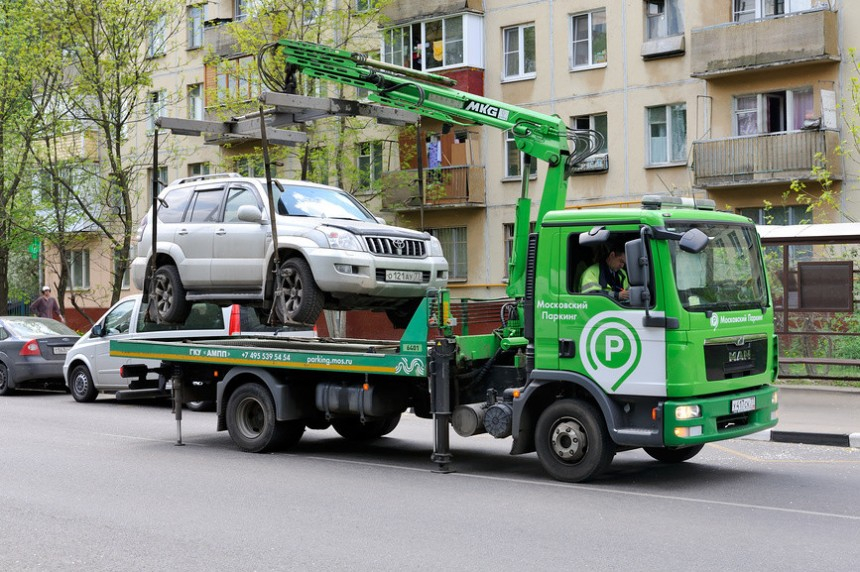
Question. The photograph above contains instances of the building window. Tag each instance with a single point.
(519, 52)
(155, 108)
(162, 182)
(253, 167)
(667, 134)
(514, 159)
(369, 163)
(772, 112)
(237, 79)
(599, 161)
(195, 101)
(663, 19)
(454, 247)
(795, 214)
(156, 41)
(79, 269)
(453, 41)
(364, 5)
(588, 39)
(749, 10)
(196, 16)
(245, 8)
(198, 169)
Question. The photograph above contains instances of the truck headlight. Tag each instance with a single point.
(687, 412)
(340, 239)
(435, 247)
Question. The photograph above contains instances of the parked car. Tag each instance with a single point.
(32, 351)
(90, 369)
(215, 244)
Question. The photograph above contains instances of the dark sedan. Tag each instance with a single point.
(32, 351)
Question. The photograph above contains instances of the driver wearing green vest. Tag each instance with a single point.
(607, 276)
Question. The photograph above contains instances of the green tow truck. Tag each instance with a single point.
(685, 357)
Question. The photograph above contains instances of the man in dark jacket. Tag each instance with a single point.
(45, 306)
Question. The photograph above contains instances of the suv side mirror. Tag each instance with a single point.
(249, 213)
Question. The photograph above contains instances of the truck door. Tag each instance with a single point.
(599, 335)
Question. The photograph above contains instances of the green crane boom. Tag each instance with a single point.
(536, 134)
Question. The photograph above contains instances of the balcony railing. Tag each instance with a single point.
(458, 185)
(221, 40)
(793, 39)
(773, 157)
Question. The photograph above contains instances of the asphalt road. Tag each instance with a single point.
(102, 486)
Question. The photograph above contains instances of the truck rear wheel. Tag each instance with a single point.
(674, 454)
(252, 424)
(355, 430)
(572, 441)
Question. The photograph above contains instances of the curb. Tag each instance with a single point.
(829, 439)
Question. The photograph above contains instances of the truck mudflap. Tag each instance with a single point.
(705, 419)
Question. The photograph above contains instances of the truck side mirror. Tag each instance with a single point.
(637, 262)
(693, 241)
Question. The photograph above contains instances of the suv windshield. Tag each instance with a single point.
(319, 202)
(727, 275)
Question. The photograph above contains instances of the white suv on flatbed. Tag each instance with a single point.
(215, 244)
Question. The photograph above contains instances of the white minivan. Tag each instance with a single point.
(90, 369)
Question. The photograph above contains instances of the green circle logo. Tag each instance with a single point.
(612, 350)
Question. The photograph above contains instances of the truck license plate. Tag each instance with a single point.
(402, 276)
(743, 405)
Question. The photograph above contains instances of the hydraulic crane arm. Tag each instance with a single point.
(539, 135)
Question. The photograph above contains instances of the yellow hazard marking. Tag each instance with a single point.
(762, 460)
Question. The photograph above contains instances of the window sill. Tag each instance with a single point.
(193, 48)
(665, 165)
(663, 47)
(518, 179)
(587, 68)
(518, 78)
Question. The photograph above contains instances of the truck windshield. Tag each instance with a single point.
(727, 275)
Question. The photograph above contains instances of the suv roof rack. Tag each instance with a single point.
(204, 177)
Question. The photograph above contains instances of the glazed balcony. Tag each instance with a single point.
(767, 158)
(790, 40)
(452, 186)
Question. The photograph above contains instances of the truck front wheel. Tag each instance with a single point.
(673, 454)
(252, 424)
(572, 441)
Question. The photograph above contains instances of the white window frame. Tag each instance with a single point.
(195, 16)
(471, 39)
(599, 161)
(519, 52)
(246, 8)
(510, 147)
(456, 250)
(196, 106)
(588, 42)
(760, 110)
(162, 178)
(362, 6)
(156, 40)
(79, 269)
(197, 169)
(670, 137)
(657, 19)
(749, 10)
(397, 46)
(368, 162)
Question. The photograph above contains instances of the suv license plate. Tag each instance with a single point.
(743, 405)
(402, 276)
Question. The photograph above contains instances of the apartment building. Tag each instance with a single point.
(726, 99)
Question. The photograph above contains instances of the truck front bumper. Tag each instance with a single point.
(719, 417)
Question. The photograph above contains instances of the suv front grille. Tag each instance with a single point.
(403, 247)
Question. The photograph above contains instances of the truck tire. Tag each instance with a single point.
(170, 302)
(572, 441)
(354, 430)
(252, 424)
(81, 385)
(674, 454)
(303, 300)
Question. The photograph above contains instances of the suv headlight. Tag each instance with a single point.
(340, 239)
(435, 247)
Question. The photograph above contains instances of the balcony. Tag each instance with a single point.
(221, 40)
(445, 187)
(794, 39)
(759, 159)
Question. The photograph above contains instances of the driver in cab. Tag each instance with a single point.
(607, 276)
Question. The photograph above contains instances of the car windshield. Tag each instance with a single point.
(319, 202)
(35, 327)
(727, 275)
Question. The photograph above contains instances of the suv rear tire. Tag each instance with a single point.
(303, 300)
(170, 302)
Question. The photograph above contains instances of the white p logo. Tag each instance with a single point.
(613, 344)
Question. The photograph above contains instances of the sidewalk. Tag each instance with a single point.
(817, 416)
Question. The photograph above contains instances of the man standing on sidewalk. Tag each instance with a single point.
(45, 306)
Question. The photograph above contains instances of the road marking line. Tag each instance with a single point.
(760, 460)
